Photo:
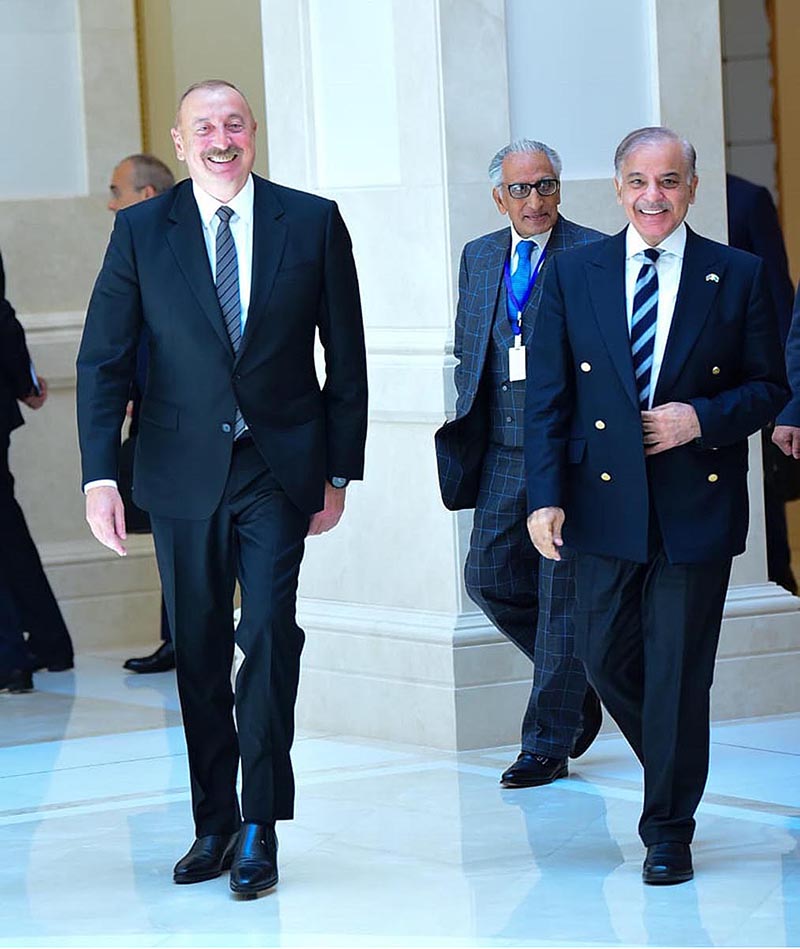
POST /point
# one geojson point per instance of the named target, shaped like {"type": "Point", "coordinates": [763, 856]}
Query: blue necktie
{"type": "Point", "coordinates": [521, 276]}
{"type": "Point", "coordinates": [643, 325]}
{"type": "Point", "coordinates": [228, 292]}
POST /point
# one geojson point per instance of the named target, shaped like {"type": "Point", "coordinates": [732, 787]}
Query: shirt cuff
{"type": "Point", "coordinates": [101, 483]}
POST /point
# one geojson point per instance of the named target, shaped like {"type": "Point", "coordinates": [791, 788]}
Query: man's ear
{"type": "Point", "coordinates": [498, 200]}
{"type": "Point", "coordinates": [177, 141]}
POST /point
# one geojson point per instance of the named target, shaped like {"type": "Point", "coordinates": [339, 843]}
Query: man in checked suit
{"type": "Point", "coordinates": [655, 355]}
{"type": "Point", "coordinates": [240, 454]}
{"type": "Point", "coordinates": [481, 461]}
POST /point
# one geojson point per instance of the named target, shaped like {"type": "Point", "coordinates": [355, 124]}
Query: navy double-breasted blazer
{"type": "Point", "coordinates": [583, 435]}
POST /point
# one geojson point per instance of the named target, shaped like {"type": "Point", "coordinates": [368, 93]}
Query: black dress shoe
{"type": "Point", "coordinates": [162, 660]}
{"type": "Point", "coordinates": [667, 863]}
{"type": "Point", "coordinates": [532, 771]}
{"type": "Point", "coordinates": [207, 858]}
{"type": "Point", "coordinates": [591, 720]}
{"type": "Point", "coordinates": [255, 864]}
{"type": "Point", "coordinates": [16, 680]}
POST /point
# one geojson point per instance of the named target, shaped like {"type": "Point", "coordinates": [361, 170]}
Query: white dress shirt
{"type": "Point", "coordinates": [241, 224]}
{"type": "Point", "coordinates": [668, 266]}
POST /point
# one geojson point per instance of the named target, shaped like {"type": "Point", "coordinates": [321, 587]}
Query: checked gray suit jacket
{"type": "Point", "coordinates": [461, 442]}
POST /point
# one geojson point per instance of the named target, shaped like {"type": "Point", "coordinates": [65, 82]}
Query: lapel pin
{"type": "Point", "coordinates": [712, 278]}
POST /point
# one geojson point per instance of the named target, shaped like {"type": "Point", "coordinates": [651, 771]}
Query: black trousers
{"type": "Point", "coordinates": [24, 577]}
{"type": "Point", "coordinates": [257, 536]}
{"type": "Point", "coordinates": [648, 635]}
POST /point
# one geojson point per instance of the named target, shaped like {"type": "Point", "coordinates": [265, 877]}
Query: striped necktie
{"type": "Point", "coordinates": [228, 291]}
{"type": "Point", "coordinates": [643, 325]}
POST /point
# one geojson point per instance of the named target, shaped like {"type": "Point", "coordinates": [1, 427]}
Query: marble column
{"type": "Point", "coordinates": [394, 108]}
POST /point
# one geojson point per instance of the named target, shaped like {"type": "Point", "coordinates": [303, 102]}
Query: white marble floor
{"type": "Point", "coordinates": [392, 845]}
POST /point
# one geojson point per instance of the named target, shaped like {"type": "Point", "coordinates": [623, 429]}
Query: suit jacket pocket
{"type": "Point", "coordinates": [161, 414]}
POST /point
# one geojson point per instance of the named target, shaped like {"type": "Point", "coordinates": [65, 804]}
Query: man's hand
{"type": "Point", "coordinates": [669, 426]}
{"type": "Point", "coordinates": [544, 526]}
{"type": "Point", "coordinates": [106, 517]}
{"type": "Point", "coordinates": [328, 517]}
{"type": "Point", "coordinates": [787, 438]}
{"type": "Point", "coordinates": [34, 401]}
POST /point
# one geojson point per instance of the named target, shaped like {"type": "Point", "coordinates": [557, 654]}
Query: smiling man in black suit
{"type": "Point", "coordinates": [240, 455]}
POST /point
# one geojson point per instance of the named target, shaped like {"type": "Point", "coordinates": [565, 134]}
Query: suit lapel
{"type": "Point", "coordinates": [692, 306]}
{"type": "Point", "coordinates": [554, 245]}
{"type": "Point", "coordinates": [269, 243]}
{"type": "Point", "coordinates": [185, 238]}
{"type": "Point", "coordinates": [606, 276]}
{"type": "Point", "coordinates": [494, 258]}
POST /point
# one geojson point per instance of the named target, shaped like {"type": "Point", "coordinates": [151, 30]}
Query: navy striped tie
{"type": "Point", "coordinates": [643, 325]}
{"type": "Point", "coordinates": [228, 291]}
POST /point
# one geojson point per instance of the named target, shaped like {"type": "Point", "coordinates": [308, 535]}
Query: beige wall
{"type": "Point", "coordinates": [183, 41]}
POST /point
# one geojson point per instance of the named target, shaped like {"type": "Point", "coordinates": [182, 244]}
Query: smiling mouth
{"type": "Point", "coordinates": [222, 157]}
{"type": "Point", "coordinates": [651, 212]}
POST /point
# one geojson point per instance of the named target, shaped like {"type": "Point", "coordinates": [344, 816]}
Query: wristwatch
{"type": "Point", "coordinates": [339, 482]}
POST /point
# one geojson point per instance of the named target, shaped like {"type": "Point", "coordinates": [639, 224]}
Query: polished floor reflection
{"type": "Point", "coordinates": [392, 845]}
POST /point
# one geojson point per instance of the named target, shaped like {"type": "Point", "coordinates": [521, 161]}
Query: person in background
{"type": "Point", "coordinates": [137, 178]}
{"type": "Point", "coordinates": [481, 463]}
{"type": "Point", "coordinates": [753, 225]}
{"type": "Point", "coordinates": [28, 601]}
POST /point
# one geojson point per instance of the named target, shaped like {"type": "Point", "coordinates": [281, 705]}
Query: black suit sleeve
{"type": "Point", "coordinates": [341, 333]}
{"type": "Point", "coordinates": [15, 362]}
{"type": "Point", "coordinates": [107, 356]}
{"type": "Point", "coordinates": [791, 414]}
{"type": "Point", "coordinates": [549, 398]}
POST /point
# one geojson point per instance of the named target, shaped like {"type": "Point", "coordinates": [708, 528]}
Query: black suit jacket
{"type": "Point", "coordinates": [15, 363]}
{"type": "Point", "coordinates": [583, 433]}
{"type": "Point", "coordinates": [156, 273]}
{"type": "Point", "coordinates": [753, 225]}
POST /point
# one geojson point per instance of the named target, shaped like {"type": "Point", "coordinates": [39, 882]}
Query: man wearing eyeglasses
{"type": "Point", "coordinates": [529, 599]}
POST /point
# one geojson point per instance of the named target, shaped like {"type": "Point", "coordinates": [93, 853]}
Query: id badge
{"type": "Point", "coordinates": [516, 364]}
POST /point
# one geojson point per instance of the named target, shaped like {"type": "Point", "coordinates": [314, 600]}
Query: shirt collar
{"type": "Point", "coordinates": [540, 239]}
{"type": "Point", "coordinates": [675, 244]}
{"type": "Point", "coordinates": [241, 204]}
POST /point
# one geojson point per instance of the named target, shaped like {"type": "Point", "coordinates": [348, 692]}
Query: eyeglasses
{"type": "Point", "coordinates": [544, 186]}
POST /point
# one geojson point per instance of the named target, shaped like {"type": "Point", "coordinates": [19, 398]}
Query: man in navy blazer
{"type": "Point", "coordinates": [240, 452]}
{"type": "Point", "coordinates": [481, 462]}
{"type": "Point", "coordinates": [656, 354]}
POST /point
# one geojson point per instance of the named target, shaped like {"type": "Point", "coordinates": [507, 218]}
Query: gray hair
{"type": "Point", "coordinates": [653, 135]}
{"type": "Point", "coordinates": [149, 170]}
{"type": "Point", "coordinates": [211, 84]}
{"type": "Point", "coordinates": [522, 146]}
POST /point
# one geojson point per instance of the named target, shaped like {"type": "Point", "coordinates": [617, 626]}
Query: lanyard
{"type": "Point", "coordinates": [519, 305]}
